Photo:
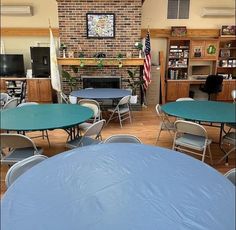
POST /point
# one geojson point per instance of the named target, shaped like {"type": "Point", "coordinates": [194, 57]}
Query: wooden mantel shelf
{"type": "Point", "coordinates": [105, 61]}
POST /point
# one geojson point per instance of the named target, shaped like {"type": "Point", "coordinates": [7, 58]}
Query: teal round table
{"type": "Point", "coordinates": [208, 111]}
{"type": "Point", "coordinates": [203, 111]}
{"type": "Point", "coordinates": [44, 117]}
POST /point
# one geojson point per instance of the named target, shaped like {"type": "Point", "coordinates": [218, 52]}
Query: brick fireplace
{"type": "Point", "coordinates": [73, 33]}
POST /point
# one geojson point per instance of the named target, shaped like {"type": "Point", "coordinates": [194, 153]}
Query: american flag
{"type": "Point", "coordinates": [147, 62]}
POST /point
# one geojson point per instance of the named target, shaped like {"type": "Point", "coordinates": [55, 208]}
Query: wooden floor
{"type": "Point", "coordinates": [145, 125]}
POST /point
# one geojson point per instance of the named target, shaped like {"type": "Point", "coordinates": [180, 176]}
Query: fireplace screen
{"type": "Point", "coordinates": [103, 82]}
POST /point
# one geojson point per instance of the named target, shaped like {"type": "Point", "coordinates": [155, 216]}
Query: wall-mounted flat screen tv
{"type": "Point", "coordinates": [12, 65]}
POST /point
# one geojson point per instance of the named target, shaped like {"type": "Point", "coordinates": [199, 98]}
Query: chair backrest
{"type": "Point", "coordinates": [4, 97]}
{"type": "Point", "coordinates": [23, 91]}
{"type": "Point", "coordinates": [12, 103]}
{"type": "Point", "coordinates": [231, 175]}
{"type": "Point", "coordinates": [163, 116]}
{"type": "Point", "coordinates": [92, 104]}
{"type": "Point", "coordinates": [185, 99]}
{"type": "Point", "coordinates": [189, 127]}
{"type": "Point", "coordinates": [13, 140]}
{"type": "Point", "coordinates": [213, 83]}
{"type": "Point", "coordinates": [230, 138]}
{"type": "Point", "coordinates": [124, 100]}
{"type": "Point", "coordinates": [233, 95]}
{"type": "Point", "coordinates": [64, 98]}
{"type": "Point", "coordinates": [21, 167]}
{"type": "Point", "coordinates": [27, 104]}
{"type": "Point", "coordinates": [95, 129]}
{"type": "Point", "coordinates": [122, 138]}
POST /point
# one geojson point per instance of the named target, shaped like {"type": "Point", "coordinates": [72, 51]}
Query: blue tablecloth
{"type": "Point", "coordinates": [101, 93]}
{"type": "Point", "coordinates": [120, 187]}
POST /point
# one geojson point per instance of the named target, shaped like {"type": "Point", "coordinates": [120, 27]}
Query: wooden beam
{"type": "Point", "coordinates": [44, 32]}
{"type": "Point", "coordinates": [105, 61]}
{"type": "Point", "coordinates": [154, 33]}
{"type": "Point", "coordinates": [191, 33]}
{"type": "Point", "coordinates": [162, 77]}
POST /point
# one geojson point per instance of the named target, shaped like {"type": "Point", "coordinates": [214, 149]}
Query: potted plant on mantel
{"type": "Point", "coordinates": [72, 82]}
{"type": "Point", "coordinates": [134, 82]}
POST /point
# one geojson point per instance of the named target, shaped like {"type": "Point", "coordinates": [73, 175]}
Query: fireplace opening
{"type": "Point", "coordinates": [101, 82]}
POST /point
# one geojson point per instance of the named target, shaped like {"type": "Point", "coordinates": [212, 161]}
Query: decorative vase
{"type": "Point", "coordinates": [133, 99]}
{"type": "Point", "coordinates": [73, 100]}
{"type": "Point", "coordinates": [140, 54]}
{"type": "Point", "coordinates": [64, 53]}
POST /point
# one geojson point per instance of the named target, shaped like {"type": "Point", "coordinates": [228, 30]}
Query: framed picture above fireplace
{"type": "Point", "coordinates": [100, 25]}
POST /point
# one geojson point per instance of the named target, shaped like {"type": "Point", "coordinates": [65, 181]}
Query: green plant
{"type": "Point", "coordinates": [134, 81]}
{"type": "Point", "coordinates": [81, 58]}
{"type": "Point", "coordinates": [100, 63]}
{"type": "Point", "coordinates": [138, 45]}
{"type": "Point", "coordinates": [63, 47]}
{"type": "Point", "coordinates": [72, 81]}
{"type": "Point", "coordinates": [119, 59]}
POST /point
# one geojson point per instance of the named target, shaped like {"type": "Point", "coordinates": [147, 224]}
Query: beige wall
{"type": "Point", "coordinates": [153, 14]}
{"type": "Point", "coordinates": [43, 10]}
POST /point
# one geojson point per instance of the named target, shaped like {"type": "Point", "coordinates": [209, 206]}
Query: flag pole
{"type": "Point", "coordinates": [49, 23]}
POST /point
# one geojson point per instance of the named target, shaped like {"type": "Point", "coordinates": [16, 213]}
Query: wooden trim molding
{"type": "Point", "coordinates": [105, 61]}
{"type": "Point", "coordinates": [191, 33]}
{"type": "Point", "coordinates": [28, 32]}
{"type": "Point", "coordinates": [154, 33]}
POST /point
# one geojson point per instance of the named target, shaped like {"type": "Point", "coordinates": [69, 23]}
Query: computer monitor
{"type": "Point", "coordinates": [12, 65]}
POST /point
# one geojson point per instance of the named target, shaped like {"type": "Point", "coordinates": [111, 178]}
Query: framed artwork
{"type": "Point", "coordinates": [197, 51]}
{"type": "Point", "coordinates": [225, 53]}
{"type": "Point", "coordinates": [100, 25]}
{"type": "Point", "coordinates": [178, 31]}
{"type": "Point", "coordinates": [229, 30]}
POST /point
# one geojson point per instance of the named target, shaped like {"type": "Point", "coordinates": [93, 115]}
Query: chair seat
{"type": "Point", "coordinates": [192, 141]}
{"type": "Point", "coordinates": [168, 126]}
{"type": "Point", "coordinates": [78, 143]}
{"type": "Point", "coordinates": [230, 137]}
{"type": "Point", "coordinates": [85, 125]}
{"type": "Point", "coordinates": [122, 110]}
{"type": "Point", "coordinates": [231, 125]}
{"type": "Point", "coordinates": [20, 154]}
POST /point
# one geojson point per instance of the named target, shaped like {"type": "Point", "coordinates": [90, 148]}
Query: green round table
{"type": "Point", "coordinates": [208, 111]}
{"type": "Point", "coordinates": [44, 117]}
{"type": "Point", "coordinates": [203, 111]}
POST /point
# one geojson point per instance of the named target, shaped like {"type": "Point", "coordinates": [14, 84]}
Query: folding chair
{"type": "Point", "coordinates": [12, 103]}
{"type": "Point", "coordinates": [228, 139]}
{"type": "Point", "coordinates": [90, 137]}
{"type": "Point", "coordinates": [121, 111]}
{"type": "Point", "coordinates": [192, 138]}
{"type": "Point", "coordinates": [21, 167]}
{"type": "Point", "coordinates": [94, 105]}
{"type": "Point", "coordinates": [231, 175]}
{"type": "Point", "coordinates": [122, 138]}
{"type": "Point", "coordinates": [165, 123]}
{"type": "Point", "coordinates": [16, 147]}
